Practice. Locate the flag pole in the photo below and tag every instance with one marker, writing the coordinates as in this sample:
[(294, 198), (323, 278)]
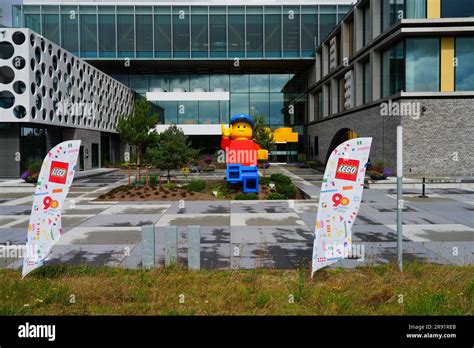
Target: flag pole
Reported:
[(400, 197)]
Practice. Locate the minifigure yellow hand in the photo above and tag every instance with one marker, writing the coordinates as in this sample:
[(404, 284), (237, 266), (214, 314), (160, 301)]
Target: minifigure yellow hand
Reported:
[(263, 154), (226, 131)]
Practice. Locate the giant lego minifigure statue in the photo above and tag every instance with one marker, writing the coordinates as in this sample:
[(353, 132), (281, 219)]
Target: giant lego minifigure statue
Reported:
[(242, 153)]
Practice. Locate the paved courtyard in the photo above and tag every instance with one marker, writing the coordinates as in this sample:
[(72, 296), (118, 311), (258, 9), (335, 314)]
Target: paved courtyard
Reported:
[(245, 234)]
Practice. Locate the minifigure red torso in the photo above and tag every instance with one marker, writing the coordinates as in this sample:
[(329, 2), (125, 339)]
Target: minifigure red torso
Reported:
[(244, 152)]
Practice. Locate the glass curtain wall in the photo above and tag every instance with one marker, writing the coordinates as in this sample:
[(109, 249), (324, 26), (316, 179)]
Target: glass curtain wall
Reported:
[(51, 23), (107, 33), (144, 27), (465, 68), (218, 32), (69, 29), (457, 8), (393, 70), (162, 23), (422, 64), (183, 31), (88, 31)]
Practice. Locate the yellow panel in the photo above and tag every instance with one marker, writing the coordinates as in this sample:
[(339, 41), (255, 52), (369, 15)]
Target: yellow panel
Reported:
[(285, 135), (447, 64), (433, 9)]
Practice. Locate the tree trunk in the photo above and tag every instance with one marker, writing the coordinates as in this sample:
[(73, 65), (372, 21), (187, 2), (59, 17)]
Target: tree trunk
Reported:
[(138, 149)]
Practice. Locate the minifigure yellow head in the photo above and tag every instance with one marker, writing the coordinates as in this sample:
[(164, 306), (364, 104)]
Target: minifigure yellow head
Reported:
[(241, 130), (242, 127)]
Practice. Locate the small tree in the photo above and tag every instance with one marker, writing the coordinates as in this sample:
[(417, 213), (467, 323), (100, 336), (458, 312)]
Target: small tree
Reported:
[(173, 150), (263, 136), (138, 129)]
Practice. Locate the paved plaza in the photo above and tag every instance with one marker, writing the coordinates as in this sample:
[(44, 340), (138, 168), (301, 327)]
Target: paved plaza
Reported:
[(245, 234)]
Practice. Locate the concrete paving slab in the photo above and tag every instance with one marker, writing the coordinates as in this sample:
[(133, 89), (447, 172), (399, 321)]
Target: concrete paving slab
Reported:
[(267, 207), (95, 255), (194, 219), (15, 210), (437, 233), (287, 234), (306, 207), (14, 236), (101, 235), (263, 219), (209, 234), (156, 209), (121, 220), (200, 207), (85, 209)]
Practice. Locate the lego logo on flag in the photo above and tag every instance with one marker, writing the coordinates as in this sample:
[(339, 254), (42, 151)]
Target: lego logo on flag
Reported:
[(347, 169), (58, 173)]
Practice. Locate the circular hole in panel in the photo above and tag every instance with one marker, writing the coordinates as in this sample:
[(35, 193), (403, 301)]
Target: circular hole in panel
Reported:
[(38, 101), (19, 62), (38, 78), (6, 50), (18, 37), (37, 54), (7, 100), (19, 111), (19, 87), (6, 74)]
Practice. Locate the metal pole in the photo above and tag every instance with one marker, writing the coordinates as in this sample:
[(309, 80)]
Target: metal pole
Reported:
[(399, 197)]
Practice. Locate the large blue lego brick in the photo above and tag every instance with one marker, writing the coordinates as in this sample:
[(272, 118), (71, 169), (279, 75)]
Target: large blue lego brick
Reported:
[(233, 173)]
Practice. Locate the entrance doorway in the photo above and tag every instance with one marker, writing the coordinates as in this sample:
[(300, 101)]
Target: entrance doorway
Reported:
[(95, 155)]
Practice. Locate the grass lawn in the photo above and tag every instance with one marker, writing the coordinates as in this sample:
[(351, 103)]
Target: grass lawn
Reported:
[(422, 289)]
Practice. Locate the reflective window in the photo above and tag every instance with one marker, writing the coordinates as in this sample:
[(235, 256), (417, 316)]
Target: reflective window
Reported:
[(278, 82), (125, 32), (328, 20), (465, 68), (342, 11), (260, 106), (160, 82), (218, 30), (422, 65), (139, 83), (219, 82), (415, 9), (236, 32), (393, 70), (273, 32), (254, 32), (367, 19), (32, 18), (277, 109), (179, 82), (51, 23), (239, 103), (392, 12), (259, 83), (199, 32), (162, 32), (309, 30), (181, 32), (291, 31), (239, 83), (69, 29), (457, 8), (199, 82), (107, 34), (367, 81), (144, 27), (188, 112), (169, 111), (209, 112), (88, 30)]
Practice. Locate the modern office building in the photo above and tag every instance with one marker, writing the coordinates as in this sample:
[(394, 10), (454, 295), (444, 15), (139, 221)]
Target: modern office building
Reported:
[(407, 62), (199, 61), (291, 62)]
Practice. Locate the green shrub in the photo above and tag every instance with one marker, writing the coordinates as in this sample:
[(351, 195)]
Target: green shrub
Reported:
[(35, 166), (264, 180), (375, 175), (287, 190), (280, 179), (276, 195), (171, 186), (153, 181), (209, 169), (196, 185), (246, 197)]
